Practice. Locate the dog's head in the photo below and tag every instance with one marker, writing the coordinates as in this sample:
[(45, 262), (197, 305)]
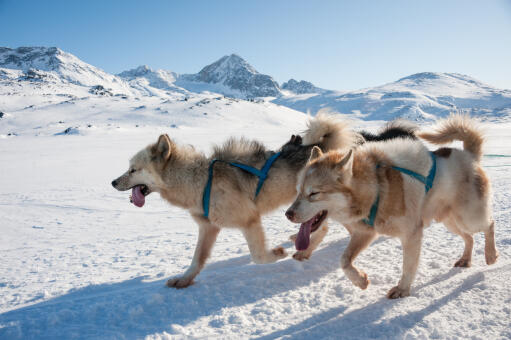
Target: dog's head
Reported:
[(143, 175), (323, 187)]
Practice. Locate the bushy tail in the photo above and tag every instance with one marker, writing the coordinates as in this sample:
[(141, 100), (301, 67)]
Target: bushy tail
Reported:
[(330, 132), (457, 127), (398, 128)]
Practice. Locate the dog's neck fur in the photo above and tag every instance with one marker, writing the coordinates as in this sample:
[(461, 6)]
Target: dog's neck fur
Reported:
[(362, 188), (184, 186)]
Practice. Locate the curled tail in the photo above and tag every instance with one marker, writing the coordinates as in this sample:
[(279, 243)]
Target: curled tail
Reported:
[(330, 132), (457, 127), (398, 128)]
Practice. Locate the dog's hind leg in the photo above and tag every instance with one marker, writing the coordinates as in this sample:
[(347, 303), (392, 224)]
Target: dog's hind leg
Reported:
[(254, 235), (466, 259), (207, 238), (490, 251), (316, 239), (411, 244), (358, 242)]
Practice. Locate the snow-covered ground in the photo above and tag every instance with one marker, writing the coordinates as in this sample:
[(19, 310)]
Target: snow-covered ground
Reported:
[(79, 261)]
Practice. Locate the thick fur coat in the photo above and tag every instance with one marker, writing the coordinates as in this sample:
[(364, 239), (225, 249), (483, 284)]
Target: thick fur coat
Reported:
[(345, 185)]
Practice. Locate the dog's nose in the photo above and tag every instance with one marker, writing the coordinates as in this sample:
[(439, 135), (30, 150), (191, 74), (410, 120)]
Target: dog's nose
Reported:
[(290, 214), (114, 183)]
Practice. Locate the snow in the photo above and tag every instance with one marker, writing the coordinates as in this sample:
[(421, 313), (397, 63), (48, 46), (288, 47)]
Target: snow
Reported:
[(80, 261)]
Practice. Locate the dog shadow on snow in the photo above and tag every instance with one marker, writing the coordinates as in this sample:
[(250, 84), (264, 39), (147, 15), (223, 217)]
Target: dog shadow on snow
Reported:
[(137, 307), (366, 323)]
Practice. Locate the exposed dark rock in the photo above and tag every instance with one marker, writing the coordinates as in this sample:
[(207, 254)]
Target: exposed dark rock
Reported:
[(100, 91)]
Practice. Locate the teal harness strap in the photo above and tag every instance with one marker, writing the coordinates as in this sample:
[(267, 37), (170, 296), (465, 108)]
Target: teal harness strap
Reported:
[(428, 183), (372, 213), (261, 173)]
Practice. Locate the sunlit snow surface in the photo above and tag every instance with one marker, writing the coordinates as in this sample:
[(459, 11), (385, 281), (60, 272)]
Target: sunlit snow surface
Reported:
[(79, 261)]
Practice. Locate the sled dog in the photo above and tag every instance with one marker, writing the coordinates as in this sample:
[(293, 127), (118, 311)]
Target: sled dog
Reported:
[(180, 174), (396, 188)]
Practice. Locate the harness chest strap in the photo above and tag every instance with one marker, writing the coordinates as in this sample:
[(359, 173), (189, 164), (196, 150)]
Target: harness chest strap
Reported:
[(428, 183), (261, 173)]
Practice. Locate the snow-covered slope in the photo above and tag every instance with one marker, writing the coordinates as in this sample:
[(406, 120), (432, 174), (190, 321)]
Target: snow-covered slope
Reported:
[(420, 96), (147, 80), (54, 65)]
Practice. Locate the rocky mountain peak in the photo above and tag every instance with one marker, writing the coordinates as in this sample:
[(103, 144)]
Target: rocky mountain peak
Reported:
[(299, 87), (235, 73), (25, 58)]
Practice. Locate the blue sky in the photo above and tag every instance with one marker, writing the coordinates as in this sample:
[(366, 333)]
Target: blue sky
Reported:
[(335, 44)]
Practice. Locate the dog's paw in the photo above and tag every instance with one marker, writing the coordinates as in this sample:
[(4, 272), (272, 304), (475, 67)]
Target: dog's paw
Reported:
[(363, 281), (492, 257), (179, 282), (293, 237), (279, 252), (464, 263), (301, 255), (398, 292)]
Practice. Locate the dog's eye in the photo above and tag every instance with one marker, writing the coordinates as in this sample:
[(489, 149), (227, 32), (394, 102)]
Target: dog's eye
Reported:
[(313, 194), (132, 171)]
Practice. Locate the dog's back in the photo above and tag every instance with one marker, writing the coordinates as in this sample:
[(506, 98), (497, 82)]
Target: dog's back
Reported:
[(461, 187), (461, 196)]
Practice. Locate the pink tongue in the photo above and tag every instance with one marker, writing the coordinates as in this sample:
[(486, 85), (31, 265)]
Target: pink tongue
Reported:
[(137, 196), (303, 237)]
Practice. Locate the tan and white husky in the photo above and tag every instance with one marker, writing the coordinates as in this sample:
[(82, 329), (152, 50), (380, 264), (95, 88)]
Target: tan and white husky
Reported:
[(370, 193), (180, 173)]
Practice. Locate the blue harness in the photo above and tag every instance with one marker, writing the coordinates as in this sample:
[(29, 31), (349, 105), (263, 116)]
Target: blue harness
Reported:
[(262, 174), (428, 183)]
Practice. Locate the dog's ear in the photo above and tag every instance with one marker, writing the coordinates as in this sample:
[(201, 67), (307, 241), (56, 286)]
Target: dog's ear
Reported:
[(163, 148), (315, 153), (345, 163), (296, 140)]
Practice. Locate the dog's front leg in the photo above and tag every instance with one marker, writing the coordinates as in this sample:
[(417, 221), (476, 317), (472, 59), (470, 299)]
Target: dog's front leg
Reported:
[(411, 244), (358, 242), (254, 235), (207, 237)]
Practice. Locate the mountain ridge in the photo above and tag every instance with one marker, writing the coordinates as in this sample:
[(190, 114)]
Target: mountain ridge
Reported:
[(420, 96)]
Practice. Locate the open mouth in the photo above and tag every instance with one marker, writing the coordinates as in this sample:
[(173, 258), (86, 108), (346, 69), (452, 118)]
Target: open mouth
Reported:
[(138, 194), (303, 238)]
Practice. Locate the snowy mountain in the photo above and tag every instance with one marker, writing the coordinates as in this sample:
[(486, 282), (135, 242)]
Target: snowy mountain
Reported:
[(54, 65), (422, 96), (45, 91), (234, 73), (230, 75), (52, 76)]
